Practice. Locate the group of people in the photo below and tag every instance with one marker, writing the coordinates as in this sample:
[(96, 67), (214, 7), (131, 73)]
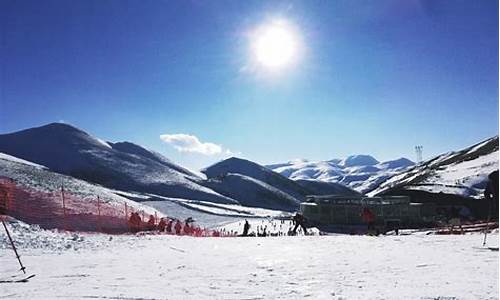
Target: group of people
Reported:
[(168, 225), (298, 221)]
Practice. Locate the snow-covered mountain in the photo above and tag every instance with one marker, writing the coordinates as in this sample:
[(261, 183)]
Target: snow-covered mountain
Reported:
[(362, 173), (463, 173), (124, 166), (256, 185)]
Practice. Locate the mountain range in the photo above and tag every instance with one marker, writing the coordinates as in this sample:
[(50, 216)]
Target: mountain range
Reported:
[(125, 166), (362, 173), (463, 173)]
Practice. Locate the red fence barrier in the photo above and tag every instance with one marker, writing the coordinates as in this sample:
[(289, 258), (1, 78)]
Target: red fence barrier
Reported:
[(63, 210)]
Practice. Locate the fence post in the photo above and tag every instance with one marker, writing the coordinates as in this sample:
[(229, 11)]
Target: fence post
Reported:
[(8, 187), (126, 212), (99, 227), (143, 220), (64, 207)]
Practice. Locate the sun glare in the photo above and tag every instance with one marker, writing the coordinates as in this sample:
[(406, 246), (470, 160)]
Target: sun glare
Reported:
[(275, 45)]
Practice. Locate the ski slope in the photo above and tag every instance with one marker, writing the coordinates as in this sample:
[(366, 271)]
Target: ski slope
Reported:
[(85, 266)]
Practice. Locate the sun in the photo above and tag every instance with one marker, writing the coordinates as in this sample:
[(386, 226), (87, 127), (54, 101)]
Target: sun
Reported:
[(275, 45)]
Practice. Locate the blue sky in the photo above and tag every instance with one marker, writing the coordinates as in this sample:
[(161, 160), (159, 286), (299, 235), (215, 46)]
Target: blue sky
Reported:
[(374, 77)]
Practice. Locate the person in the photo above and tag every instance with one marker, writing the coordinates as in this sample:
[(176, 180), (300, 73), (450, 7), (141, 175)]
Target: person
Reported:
[(299, 220), (455, 220), (169, 226), (178, 227), (491, 195), (151, 223), (246, 227), (162, 224), (187, 229), (135, 222), (131, 222), (197, 231), (369, 218)]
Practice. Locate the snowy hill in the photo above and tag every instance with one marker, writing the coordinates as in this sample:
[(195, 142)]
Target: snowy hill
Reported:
[(40, 200), (253, 192), (125, 166), (256, 185), (463, 173), (35, 197), (362, 173)]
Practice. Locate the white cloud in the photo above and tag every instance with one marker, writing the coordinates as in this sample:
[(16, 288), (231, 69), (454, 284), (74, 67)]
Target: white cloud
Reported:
[(191, 144)]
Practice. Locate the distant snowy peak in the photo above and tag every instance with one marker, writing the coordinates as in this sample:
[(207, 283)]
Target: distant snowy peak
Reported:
[(396, 164), (358, 160), (235, 165), (360, 172)]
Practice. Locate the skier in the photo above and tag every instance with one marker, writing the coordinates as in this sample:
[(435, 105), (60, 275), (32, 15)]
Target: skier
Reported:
[(178, 227), (299, 220), (369, 218), (169, 226), (187, 229), (491, 195), (135, 222), (246, 227), (151, 223), (162, 224)]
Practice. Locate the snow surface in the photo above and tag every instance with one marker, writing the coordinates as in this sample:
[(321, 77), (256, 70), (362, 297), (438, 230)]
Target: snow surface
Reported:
[(97, 266)]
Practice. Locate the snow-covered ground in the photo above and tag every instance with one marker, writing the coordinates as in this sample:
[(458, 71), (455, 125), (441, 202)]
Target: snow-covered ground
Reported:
[(97, 266)]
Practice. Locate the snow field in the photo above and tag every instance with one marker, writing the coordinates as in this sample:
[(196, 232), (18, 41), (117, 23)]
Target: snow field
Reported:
[(314, 267)]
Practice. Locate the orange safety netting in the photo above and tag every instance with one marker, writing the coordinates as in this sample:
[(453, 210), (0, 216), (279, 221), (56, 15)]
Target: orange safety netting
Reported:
[(63, 210)]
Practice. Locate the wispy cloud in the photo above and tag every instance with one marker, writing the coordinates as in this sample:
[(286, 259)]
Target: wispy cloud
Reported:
[(191, 144)]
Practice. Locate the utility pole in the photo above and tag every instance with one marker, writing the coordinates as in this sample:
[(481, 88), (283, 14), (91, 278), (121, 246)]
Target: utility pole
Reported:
[(418, 150)]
